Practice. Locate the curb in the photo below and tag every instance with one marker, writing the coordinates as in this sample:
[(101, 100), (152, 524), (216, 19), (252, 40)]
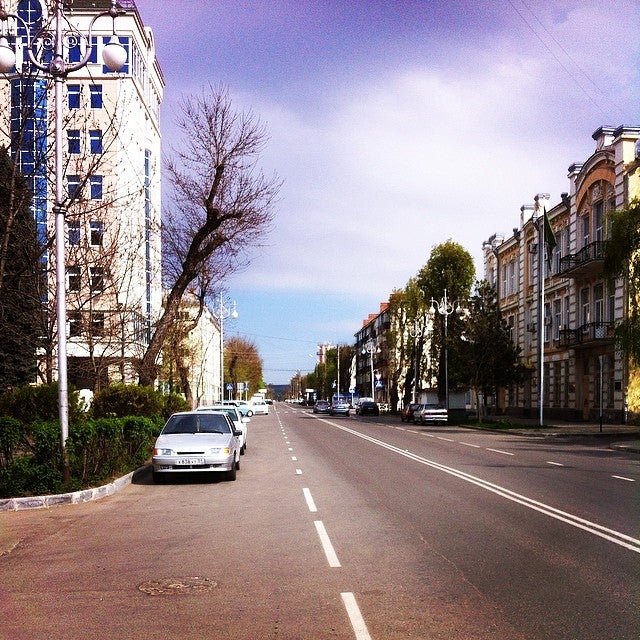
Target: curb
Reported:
[(75, 497)]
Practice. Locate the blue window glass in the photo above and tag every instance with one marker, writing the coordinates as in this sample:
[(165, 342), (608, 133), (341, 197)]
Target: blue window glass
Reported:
[(73, 93), (73, 187), (95, 185), (93, 57), (73, 232), (95, 91), (95, 140), (73, 136), (75, 55), (97, 233)]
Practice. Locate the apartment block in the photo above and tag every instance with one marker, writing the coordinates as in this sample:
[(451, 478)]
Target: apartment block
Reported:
[(584, 375), (111, 154)]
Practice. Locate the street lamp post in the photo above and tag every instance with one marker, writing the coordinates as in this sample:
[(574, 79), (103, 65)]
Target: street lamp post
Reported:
[(371, 347), (46, 52), (539, 214), (416, 332), (223, 313), (445, 307)]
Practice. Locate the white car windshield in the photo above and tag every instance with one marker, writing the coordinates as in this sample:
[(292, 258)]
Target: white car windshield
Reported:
[(197, 423)]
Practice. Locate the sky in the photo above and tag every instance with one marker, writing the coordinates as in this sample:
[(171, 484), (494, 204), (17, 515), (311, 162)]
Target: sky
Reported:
[(395, 125)]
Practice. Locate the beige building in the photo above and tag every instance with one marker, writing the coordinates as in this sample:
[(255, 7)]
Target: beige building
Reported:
[(584, 375), (111, 151)]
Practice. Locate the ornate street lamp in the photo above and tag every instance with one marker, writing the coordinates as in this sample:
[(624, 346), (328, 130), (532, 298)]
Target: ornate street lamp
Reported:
[(445, 307), (371, 347), (46, 42), (222, 314), (416, 332)]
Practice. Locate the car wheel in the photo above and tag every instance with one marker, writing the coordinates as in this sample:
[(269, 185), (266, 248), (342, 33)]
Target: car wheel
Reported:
[(238, 464), (158, 478), (232, 473), (249, 413)]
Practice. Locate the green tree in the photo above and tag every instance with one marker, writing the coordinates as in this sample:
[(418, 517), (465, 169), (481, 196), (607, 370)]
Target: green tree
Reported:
[(450, 267), (242, 363), (491, 358), (20, 279), (622, 259)]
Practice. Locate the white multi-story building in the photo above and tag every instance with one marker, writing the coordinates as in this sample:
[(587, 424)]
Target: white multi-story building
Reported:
[(111, 147), (584, 375)]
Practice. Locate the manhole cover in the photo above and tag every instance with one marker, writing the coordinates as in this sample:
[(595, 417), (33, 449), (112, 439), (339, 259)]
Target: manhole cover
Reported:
[(171, 586)]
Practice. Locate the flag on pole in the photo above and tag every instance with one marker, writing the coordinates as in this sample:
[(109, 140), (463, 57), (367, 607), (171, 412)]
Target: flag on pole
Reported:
[(549, 238)]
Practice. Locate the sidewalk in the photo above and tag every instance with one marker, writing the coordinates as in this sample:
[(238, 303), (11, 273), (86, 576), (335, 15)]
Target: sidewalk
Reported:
[(559, 428)]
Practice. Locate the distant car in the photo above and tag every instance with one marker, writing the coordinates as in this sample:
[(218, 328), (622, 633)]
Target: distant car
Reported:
[(339, 409), (321, 406), (196, 442), (239, 421), (432, 414), (406, 415), (367, 407), (260, 407), (243, 406)]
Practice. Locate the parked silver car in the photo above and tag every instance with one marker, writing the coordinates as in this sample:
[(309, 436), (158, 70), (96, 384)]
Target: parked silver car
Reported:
[(239, 421), (339, 408), (197, 441), (431, 414)]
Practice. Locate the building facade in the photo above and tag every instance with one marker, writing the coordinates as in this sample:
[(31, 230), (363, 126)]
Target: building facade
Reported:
[(111, 153), (571, 330)]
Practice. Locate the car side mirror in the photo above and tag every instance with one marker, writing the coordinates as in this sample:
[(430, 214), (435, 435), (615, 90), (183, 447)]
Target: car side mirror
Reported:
[(237, 434)]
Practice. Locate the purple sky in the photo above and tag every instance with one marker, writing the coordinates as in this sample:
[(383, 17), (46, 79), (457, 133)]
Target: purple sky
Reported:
[(395, 126)]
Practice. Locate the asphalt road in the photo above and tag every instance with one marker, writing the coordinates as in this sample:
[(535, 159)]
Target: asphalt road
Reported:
[(346, 528)]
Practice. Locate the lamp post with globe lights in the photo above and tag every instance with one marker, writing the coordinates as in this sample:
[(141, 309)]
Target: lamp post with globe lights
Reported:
[(221, 315), (416, 332), (371, 347), (46, 42), (445, 307)]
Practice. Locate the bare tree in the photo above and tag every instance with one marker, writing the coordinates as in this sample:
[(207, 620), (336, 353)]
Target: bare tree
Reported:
[(220, 198)]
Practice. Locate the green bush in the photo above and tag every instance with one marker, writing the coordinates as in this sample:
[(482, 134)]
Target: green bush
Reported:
[(11, 431), (30, 403), (174, 403), (26, 477), (127, 400)]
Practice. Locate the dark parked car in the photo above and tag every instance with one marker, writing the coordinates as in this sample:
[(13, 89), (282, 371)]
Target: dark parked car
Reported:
[(406, 415), (367, 407), (321, 406)]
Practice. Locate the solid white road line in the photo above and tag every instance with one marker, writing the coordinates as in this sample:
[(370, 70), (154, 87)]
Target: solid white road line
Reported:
[(310, 503), (623, 478), (332, 558), (616, 537), (357, 621)]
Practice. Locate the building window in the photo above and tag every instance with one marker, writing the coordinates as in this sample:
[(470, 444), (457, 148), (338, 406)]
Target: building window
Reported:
[(75, 324), (584, 306), (73, 232), (97, 324), (73, 96), (96, 279), (73, 278), (95, 186), (598, 219), (73, 187), (598, 303), (96, 233), (95, 91), (73, 136), (584, 230), (557, 318), (95, 140)]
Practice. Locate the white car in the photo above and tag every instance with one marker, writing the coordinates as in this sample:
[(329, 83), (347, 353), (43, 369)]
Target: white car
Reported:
[(260, 407), (196, 442), (239, 421)]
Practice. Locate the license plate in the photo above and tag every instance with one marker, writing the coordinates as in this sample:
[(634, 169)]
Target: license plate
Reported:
[(190, 461)]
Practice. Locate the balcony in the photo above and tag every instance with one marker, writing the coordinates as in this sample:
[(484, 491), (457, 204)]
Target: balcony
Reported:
[(588, 261), (587, 335)]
